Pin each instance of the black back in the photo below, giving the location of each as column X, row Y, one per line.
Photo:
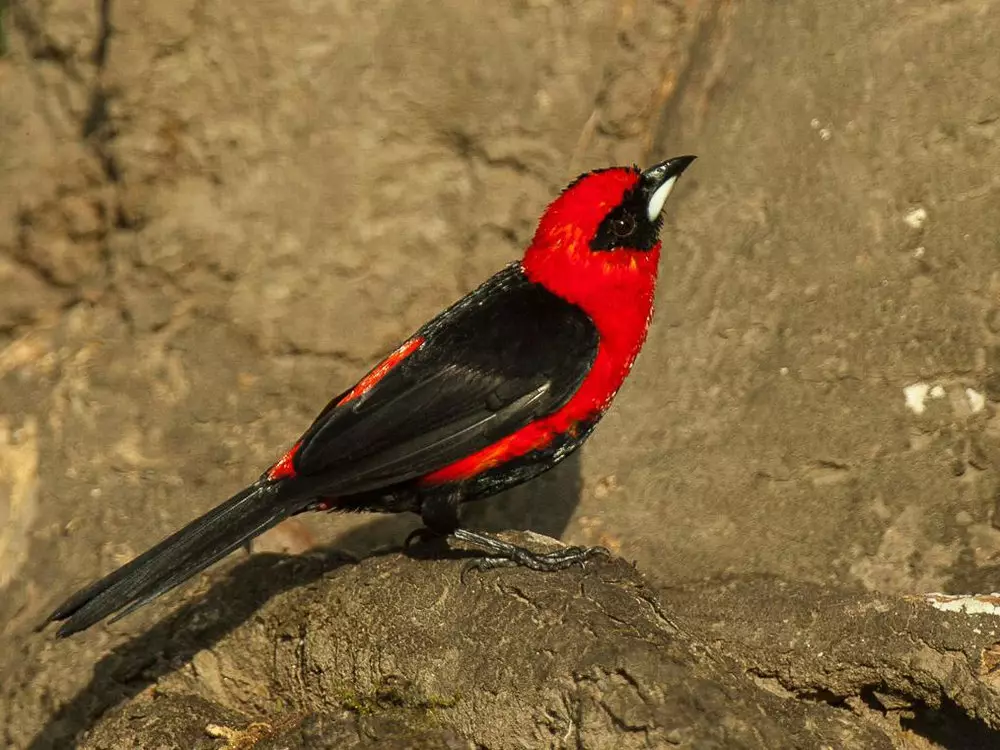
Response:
column 505, row 355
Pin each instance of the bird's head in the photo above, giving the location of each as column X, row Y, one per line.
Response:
column 603, row 230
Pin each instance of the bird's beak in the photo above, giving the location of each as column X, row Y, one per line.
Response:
column 659, row 180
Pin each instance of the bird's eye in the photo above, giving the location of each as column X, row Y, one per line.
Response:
column 623, row 226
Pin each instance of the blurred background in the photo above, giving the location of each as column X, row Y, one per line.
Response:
column 215, row 216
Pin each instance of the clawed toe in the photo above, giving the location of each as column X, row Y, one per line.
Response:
column 420, row 536
column 506, row 555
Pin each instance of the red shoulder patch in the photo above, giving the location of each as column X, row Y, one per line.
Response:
column 285, row 468
column 381, row 370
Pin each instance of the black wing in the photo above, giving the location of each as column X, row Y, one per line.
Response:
column 505, row 355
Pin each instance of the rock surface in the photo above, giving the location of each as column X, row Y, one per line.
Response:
column 399, row 652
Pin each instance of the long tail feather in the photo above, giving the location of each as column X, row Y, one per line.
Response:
column 204, row 541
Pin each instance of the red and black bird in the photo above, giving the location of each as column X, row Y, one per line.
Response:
column 494, row 391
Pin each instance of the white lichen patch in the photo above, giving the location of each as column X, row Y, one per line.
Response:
column 916, row 217
column 916, row 397
column 972, row 604
column 977, row 401
column 917, row 394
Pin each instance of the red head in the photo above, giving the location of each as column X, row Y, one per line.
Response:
column 598, row 244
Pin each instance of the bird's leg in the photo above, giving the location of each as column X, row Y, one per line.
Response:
column 440, row 516
column 504, row 554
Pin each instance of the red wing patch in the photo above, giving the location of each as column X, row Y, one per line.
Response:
column 591, row 399
column 381, row 370
column 531, row 437
column 284, row 468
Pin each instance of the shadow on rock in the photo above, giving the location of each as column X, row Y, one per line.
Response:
column 173, row 642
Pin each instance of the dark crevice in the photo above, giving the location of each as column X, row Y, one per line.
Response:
column 823, row 695
column 99, row 130
column 27, row 260
column 122, row 218
column 104, row 35
column 96, row 120
column 111, row 169
column 811, row 694
column 45, row 51
column 949, row 726
column 46, row 275
column 42, row 49
column 621, row 724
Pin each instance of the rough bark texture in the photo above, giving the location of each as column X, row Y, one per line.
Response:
column 397, row 649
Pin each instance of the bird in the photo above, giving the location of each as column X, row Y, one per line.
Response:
column 492, row 392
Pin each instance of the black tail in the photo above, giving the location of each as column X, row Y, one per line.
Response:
column 178, row 557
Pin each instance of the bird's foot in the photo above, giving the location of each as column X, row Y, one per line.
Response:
column 506, row 555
